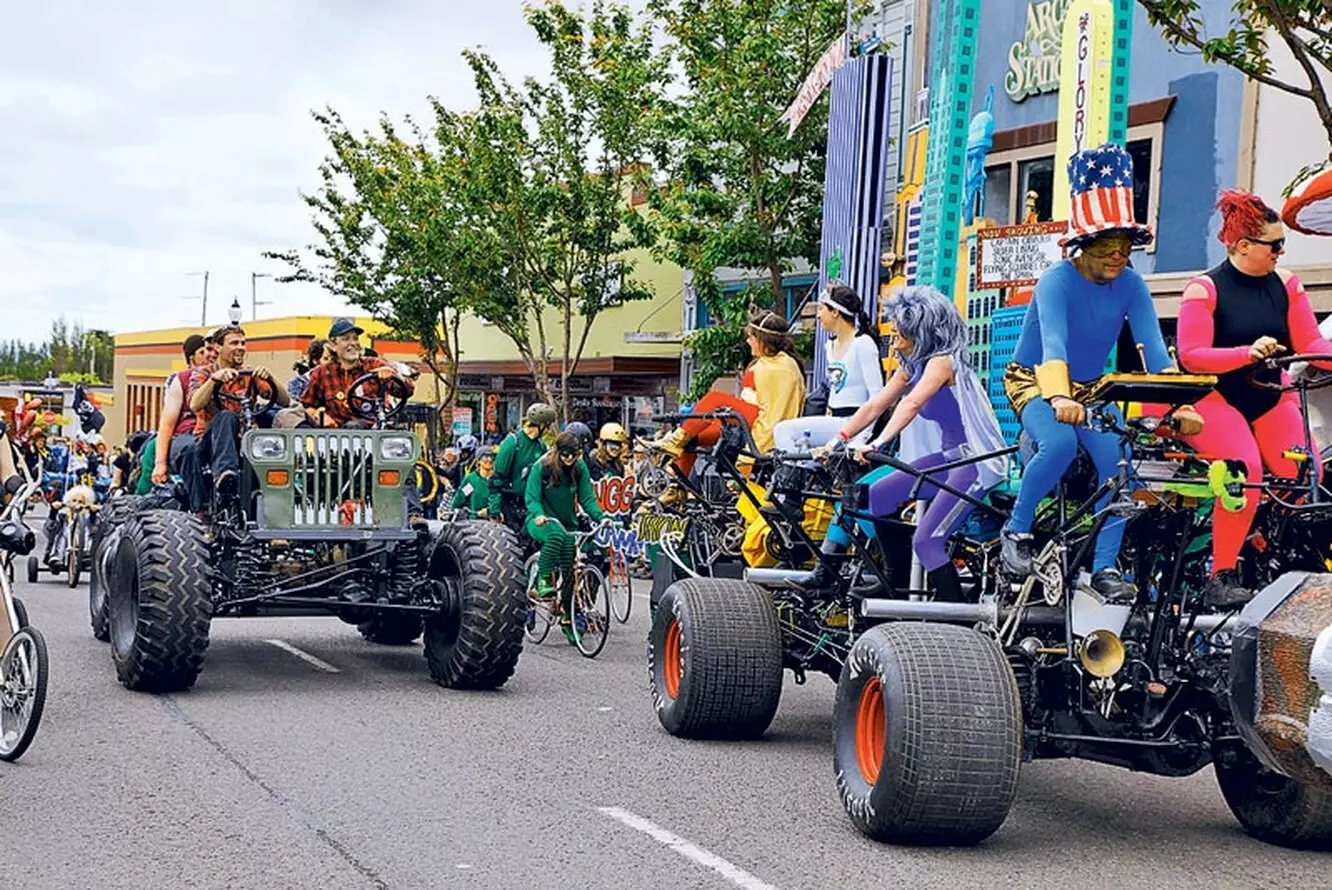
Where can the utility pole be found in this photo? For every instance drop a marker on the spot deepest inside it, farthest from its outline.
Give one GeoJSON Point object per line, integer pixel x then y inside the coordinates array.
{"type": "Point", "coordinates": [255, 303]}
{"type": "Point", "coordinates": [203, 310]}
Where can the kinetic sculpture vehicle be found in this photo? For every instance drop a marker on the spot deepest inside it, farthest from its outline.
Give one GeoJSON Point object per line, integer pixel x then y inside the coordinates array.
{"type": "Point", "coordinates": [320, 525]}
{"type": "Point", "coordinates": [938, 703]}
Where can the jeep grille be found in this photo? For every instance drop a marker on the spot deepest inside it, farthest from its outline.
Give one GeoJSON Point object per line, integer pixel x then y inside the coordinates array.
{"type": "Point", "coordinates": [333, 481]}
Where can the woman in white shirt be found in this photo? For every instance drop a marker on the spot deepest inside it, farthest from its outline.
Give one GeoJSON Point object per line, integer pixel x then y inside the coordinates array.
{"type": "Point", "coordinates": [854, 372]}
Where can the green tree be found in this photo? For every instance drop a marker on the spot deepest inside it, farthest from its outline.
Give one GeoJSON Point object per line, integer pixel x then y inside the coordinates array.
{"type": "Point", "coordinates": [1305, 26]}
{"type": "Point", "coordinates": [739, 192]}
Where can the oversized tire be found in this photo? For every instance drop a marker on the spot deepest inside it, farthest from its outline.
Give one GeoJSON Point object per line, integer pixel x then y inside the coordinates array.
{"type": "Point", "coordinates": [160, 603]}
{"type": "Point", "coordinates": [1275, 808]}
{"type": "Point", "coordinates": [474, 643]}
{"type": "Point", "coordinates": [392, 628]}
{"type": "Point", "coordinates": [715, 659]}
{"type": "Point", "coordinates": [110, 521]}
{"type": "Point", "coordinates": [927, 735]}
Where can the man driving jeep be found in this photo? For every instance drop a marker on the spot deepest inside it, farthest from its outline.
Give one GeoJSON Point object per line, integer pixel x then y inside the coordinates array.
{"type": "Point", "coordinates": [217, 428]}
{"type": "Point", "coordinates": [327, 397]}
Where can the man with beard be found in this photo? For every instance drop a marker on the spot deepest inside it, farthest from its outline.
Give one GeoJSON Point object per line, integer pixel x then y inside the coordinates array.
{"type": "Point", "coordinates": [216, 429]}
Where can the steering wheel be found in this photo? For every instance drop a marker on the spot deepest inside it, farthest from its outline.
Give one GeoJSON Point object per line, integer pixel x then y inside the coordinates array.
{"type": "Point", "coordinates": [387, 404]}
{"type": "Point", "coordinates": [260, 392]}
{"type": "Point", "coordinates": [1286, 361]}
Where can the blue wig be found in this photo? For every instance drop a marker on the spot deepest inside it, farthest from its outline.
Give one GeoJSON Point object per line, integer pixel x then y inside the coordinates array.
{"type": "Point", "coordinates": [930, 321]}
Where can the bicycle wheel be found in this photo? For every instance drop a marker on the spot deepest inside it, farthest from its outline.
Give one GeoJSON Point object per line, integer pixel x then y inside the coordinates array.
{"type": "Point", "coordinates": [537, 623]}
{"type": "Point", "coordinates": [617, 579]}
{"type": "Point", "coordinates": [74, 555]}
{"type": "Point", "coordinates": [591, 611]}
{"type": "Point", "coordinates": [23, 667]}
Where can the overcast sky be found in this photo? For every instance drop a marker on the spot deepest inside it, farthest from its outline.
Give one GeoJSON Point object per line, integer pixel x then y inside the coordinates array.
{"type": "Point", "coordinates": [140, 141]}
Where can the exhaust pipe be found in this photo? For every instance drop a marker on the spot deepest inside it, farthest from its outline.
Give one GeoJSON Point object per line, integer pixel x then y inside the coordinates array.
{"type": "Point", "coordinates": [909, 610]}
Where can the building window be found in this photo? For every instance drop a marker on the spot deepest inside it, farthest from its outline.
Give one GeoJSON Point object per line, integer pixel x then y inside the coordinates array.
{"type": "Point", "coordinates": [1011, 174]}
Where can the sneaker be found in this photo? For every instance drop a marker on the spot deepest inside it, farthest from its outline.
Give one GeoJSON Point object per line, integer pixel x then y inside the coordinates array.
{"type": "Point", "coordinates": [1112, 587]}
{"type": "Point", "coordinates": [226, 483]}
{"type": "Point", "coordinates": [567, 627]}
{"type": "Point", "coordinates": [1015, 552]}
{"type": "Point", "coordinates": [544, 590]}
{"type": "Point", "coordinates": [1224, 590]}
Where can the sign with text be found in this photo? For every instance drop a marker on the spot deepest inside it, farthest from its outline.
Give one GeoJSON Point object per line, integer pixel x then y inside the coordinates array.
{"type": "Point", "coordinates": [1084, 90]}
{"type": "Point", "coordinates": [1033, 61]}
{"type": "Point", "coordinates": [462, 422]}
{"type": "Point", "coordinates": [1015, 256]}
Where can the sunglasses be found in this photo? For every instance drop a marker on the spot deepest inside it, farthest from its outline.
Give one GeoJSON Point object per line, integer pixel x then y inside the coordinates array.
{"type": "Point", "coordinates": [568, 452]}
{"type": "Point", "coordinates": [1276, 245]}
{"type": "Point", "coordinates": [1106, 249]}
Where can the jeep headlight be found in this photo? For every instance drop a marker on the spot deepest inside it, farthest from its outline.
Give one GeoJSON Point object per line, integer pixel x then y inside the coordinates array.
{"type": "Point", "coordinates": [395, 448]}
{"type": "Point", "coordinates": [268, 447]}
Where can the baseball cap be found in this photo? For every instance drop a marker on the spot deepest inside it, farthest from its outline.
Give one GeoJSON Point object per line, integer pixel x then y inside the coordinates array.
{"type": "Point", "coordinates": [344, 326]}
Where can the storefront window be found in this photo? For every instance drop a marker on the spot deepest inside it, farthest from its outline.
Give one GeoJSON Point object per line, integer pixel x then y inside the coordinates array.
{"type": "Point", "coordinates": [998, 188]}
{"type": "Point", "coordinates": [1036, 176]}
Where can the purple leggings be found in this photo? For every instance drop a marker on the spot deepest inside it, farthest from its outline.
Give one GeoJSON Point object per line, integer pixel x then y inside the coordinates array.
{"type": "Point", "coordinates": [946, 511]}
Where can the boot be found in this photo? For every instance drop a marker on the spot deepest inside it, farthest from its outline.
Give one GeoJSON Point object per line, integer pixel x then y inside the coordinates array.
{"type": "Point", "coordinates": [1015, 552]}
{"type": "Point", "coordinates": [947, 585]}
{"type": "Point", "coordinates": [1224, 590]}
{"type": "Point", "coordinates": [672, 443]}
{"type": "Point", "coordinates": [1110, 584]}
{"type": "Point", "coordinates": [825, 573]}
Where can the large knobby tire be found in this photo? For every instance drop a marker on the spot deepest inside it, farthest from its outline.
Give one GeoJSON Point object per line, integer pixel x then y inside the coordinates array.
{"type": "Point", "coordinates": [1275, 808]}
{"type": "Point", "coordinates": [392, 628]}
{"type": "Point", "coordinates": [927, 735]}
{"type": "Point", "coordinates": [110, 522]}
{"type": "Point", "coordinates": [715, 659]}
{"type": "Point", "coordinates": [160, 602]}
{"type": "Point", "coordinates": [475, 643]}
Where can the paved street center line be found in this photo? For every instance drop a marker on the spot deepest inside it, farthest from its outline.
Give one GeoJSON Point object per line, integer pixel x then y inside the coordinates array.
{"type": "Point", "coordinates": [733, 873]}
{"type": "Point", "coordinates": [319, 663]}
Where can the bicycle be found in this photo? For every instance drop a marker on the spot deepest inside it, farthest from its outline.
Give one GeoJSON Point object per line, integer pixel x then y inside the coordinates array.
{"type": "Point", "coordinates": [591, 603]}
{"type": "Point", "coordinates": [78, 549]}
{"type": "Point", "coordinates": [24, 662]}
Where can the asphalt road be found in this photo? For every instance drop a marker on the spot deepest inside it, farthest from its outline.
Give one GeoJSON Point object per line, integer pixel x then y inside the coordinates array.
{"type": "Point", "coordinates": [275, 771]}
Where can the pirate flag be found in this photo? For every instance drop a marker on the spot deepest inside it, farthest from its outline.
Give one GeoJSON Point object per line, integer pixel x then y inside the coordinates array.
{"type": "Point", "coordinates": [91, 419]}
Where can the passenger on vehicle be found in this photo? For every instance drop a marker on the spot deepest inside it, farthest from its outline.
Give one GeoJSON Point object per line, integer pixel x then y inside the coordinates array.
{"type": "Point", "coordinates": [319, 352]}
{"type": "Point", "coordinates": [217, 428]}
{"type": "Point", "coordinates": [514, 459]}
{"type": "Point", "coordinates": [175, 429]}
{"type": "Point", "coordinates": [772, 389]}
{"type": "Point", "coordinates": [1239, 313]}
{"type": "Point", "coordinates": [934, 381]}
{"type": "Point", "coordinates": [556, 487]}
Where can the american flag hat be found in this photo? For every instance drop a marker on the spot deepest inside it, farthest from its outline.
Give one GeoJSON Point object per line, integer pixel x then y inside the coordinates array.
{"type": "Point", "coordinates": [1101, 182]}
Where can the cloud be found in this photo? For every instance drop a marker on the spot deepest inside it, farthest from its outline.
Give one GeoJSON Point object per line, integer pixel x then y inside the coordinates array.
{"type": "Point", "coordinates": [146, 140]}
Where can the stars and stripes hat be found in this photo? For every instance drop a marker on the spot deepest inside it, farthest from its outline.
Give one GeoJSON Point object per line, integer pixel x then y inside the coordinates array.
{"type": "Point", "coordinates": [1101, 182]}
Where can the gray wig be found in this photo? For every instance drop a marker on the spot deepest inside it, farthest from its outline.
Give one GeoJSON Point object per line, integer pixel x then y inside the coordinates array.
{"type": "Point", "coordinates": [930, 321]}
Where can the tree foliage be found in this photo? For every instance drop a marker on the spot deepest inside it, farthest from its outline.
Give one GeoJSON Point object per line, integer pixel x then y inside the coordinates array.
{"type": "Point", "coordinates": [738, 191]}
{"type": "Point", "coordinates": [1305, 26]}
{"type": "Point", "coordinates": [69, 350]}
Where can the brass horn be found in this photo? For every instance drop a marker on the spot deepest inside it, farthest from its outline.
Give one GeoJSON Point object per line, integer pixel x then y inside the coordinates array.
{"type": "Point", "coordinates": [1101, 653]}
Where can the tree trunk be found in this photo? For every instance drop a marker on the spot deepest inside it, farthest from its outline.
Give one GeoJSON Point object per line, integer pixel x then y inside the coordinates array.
{"type": "Point", "coordinates": [564, 359]}
{"type": "Point", "coordinates": [775, 274]}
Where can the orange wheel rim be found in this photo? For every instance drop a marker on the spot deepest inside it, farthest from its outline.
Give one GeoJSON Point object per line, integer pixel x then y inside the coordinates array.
{"type": "Point", "coordinates": [870, 731]}
{"type": "Point", "coordinates": [672, 665]}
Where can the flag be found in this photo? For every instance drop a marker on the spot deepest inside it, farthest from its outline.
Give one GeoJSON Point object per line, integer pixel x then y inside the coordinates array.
{"type": "Point", "coordinates": [817, 81]}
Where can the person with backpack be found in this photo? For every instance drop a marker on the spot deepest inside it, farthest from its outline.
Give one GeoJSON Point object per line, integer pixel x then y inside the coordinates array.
{"type": "Point", "coordinates": [519, 451]}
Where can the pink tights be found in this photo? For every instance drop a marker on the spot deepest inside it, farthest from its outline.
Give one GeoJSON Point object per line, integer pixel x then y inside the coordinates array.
{"type": "Point", "coordinates": [1226, 434]}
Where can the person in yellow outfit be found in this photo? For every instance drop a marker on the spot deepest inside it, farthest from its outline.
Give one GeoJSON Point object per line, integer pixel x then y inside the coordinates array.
{"type": "Point", "coordinates": [772, 389]}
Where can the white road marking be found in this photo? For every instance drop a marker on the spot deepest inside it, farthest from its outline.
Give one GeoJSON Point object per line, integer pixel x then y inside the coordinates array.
{"type": "Point", "coordinates": [604, 708]}
{"type": "Point", "coordinates": [733, 873]}
{"type": "Point", "coordinates": [304, 656]}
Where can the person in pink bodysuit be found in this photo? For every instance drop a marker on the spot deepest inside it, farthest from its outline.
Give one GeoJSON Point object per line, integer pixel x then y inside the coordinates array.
{"type": "Point", "coordinates": [1243, 311]}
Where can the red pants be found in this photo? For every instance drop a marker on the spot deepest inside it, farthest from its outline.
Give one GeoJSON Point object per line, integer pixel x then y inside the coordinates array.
{"type": "Point", "coordinates": [1226, 434]}
{"type": "Point", "coordinates": [706, 432]}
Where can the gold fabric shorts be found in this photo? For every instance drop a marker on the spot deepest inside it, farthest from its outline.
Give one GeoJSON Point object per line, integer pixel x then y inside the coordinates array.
{"type": "Point", "coordinates": [1021, 387]}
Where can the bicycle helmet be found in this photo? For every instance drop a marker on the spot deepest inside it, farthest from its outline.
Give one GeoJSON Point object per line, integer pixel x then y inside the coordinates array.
{"type": "Point", "coordinates": [468, 444]}
{"type": "Point", "coordinates": [613, 432]}
{"type": "Point", "coordinates": [581, 430]}
{"type": "Point", "coordinates": [485, 452]}
{"type": "Point", "coordinates": [539, 414]}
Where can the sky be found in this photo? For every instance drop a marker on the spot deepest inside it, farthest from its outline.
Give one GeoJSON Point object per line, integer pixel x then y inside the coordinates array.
{"type": "Point", "coordinates": [142, 141]}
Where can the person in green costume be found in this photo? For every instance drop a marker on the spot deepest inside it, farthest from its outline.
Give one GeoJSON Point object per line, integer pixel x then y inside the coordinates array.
{"type": "Point", "coordinates": [517, 453]}
{"type": "Point", "coordinates": [556, 486]}
{"type": "Point", "coordinates": [147, 460]}
{"type": "Point", "coordinates": [473, 492]}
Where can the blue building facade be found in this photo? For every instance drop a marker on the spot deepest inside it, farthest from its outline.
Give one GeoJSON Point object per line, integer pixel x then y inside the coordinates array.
{"type": "Point", "coordinates": [1185, 127]}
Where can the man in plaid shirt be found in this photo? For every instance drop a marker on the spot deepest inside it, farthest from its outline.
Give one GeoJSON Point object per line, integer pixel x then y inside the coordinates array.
{"type": "Point", "coordinates": [327, 397]}
{"type": "Point", "coordinates": [216, 429]}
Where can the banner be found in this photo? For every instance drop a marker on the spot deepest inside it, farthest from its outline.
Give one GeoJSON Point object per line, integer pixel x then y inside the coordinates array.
{"type": "Point", "coordinates": [1085, 69]}
{"type": "Point", "coordinates": [817, 81]}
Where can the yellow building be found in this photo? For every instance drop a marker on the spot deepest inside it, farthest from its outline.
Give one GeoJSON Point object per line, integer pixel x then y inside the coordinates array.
{"type": "Point", "coordinates": [144, 360]}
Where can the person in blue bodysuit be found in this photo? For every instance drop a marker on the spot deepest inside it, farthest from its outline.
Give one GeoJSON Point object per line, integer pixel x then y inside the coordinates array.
{"type": "Point", "coordinates": [1078, 308]}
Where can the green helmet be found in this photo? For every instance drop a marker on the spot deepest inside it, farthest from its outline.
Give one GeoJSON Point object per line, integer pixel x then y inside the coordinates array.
{"type": "Point", "coordinates": [539, 414]}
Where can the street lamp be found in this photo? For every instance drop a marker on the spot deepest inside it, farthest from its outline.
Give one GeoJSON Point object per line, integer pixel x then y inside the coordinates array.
{"type": "Point", "coordinates": [255, 303]}
{"type": "Point", "coordinates": [234, 312]}
{"type": "Point", "coordinates": [203, 311]}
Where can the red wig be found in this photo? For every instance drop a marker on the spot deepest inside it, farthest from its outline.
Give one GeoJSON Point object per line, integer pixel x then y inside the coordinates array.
{"type": "Point", "coordinates": [1243, 215]}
